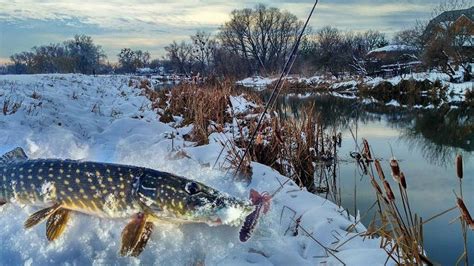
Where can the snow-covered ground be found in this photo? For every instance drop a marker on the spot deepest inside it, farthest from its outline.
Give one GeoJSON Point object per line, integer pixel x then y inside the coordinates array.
{"type": "Point", "coordinates": [455, 91]}
{"type": "Point", "coordinates": [257, 82]}
{"type": "Point", "coordinates": [393, 47]}
{"type": "Point", "coordinates": [103, 119]}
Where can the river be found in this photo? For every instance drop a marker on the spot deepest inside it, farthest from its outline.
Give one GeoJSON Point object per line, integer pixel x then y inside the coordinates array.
{"type": "Point", "coordinates": [425, 142]}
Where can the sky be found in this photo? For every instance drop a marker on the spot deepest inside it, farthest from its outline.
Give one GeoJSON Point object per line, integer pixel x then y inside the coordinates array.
{"type": "Point", "coordinates": [151, 25]}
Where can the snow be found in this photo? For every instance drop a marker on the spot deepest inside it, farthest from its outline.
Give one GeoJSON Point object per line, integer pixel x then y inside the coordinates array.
{"type": "Point", "coordinates": [230, 215]}
{"type": "Point", "coordinates": [455, 91]}
{"type": "Point", "coordinates": [314, 80]}
{"type": "Point", "coordinates": [393, 48]}
{"type": "Point", "coordinates": [343, 95]}
{"type": "Point", "coordinates": [431, 76]}
{"type": "Point", "coordinates": [257, 82]}
{"type": "Point", "coordinates": [370, 100]}
{"type": "Point", "coordinates": [103, 119]}
{"type": "Point", "coordinates": [393, 103]}
{"type": "Point", "coordinates": [260, 83]}
{"type": "Point", "coordinates": [144, 70]}
{"type": "Point", "coordinates": [240, 104]}
{"type": "Point", "coordinates": [301, 95]}
{"type": "Point", "coordinates": [351, 84]}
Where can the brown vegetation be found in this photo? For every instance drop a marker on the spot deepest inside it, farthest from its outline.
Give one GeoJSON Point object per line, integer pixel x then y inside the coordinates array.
{"type": "Point", "coordinates": [295, 148]}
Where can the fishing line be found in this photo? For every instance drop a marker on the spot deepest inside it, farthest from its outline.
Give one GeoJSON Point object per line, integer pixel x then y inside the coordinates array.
{"type": "Point", "coordinates": [277, 87]}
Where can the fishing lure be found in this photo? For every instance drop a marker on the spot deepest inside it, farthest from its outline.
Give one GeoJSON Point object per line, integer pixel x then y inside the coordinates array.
{"type": "Point", "coordinates": [262, 204]}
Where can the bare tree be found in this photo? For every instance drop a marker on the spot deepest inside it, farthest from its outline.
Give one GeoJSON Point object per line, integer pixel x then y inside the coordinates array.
{"type": "Point", "coordinates": [374, 39]}
{"type": "Point", "coordinates": [131, 60]}
{"type": "Point", "coordinates": [77, 55]}
{"type": "Point", "coordinates": [412, 36]}
{"type": "Point", "coordinates": [86, 55]}
{"type": "Point", "coordinates": [203, 49]}
{"type": "Point", "coordinates": [22, 63]}
{"type": "Point", "coordinates": [229, 64]}
{"type": "Point", "coordinates": [180, 56]}
{"type": "Point", "coordinates": [262, 36]}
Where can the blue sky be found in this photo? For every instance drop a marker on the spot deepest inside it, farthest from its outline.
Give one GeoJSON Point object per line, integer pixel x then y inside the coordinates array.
{"type": "Point", "coordinates": [151, 25]}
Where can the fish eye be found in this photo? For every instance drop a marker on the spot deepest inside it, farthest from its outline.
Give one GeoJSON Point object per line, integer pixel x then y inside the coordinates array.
{"type": "Point", "coordinates": [191, 188]}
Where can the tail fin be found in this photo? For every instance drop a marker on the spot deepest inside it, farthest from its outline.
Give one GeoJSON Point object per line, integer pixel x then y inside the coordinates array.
{"type": "Point", "coordinates": [15, 154]}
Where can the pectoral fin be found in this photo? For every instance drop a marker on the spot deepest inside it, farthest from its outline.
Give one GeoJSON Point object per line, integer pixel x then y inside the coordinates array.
{"type": "Point", "coordinates": [135, 236]}
{"type": "Point", "coordinates": [40, 216]}
{"type": "Point", "coordinates": [141, 244]}
{"type": "Point", "coordinates": [56, 223]}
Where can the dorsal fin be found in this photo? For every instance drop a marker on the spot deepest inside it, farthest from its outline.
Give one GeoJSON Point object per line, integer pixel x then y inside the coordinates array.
{"type": "Point", "coordinates": [15, 154]}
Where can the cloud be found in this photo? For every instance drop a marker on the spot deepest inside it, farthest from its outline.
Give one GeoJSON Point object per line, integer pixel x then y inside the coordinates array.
{"type": "Point", "coordinates": [149, 24]}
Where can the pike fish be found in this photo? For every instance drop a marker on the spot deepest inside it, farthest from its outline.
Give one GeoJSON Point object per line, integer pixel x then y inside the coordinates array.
{"type": "Point", "coordinates": [143, 195]}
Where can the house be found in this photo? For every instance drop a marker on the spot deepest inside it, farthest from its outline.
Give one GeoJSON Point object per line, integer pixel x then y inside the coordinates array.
{"type": "Point", "coordinates": [449, 41]}
{"type": "Point", "coordinates": [391, 60]}
{"type": "Point", "coordinates": [456, 23]}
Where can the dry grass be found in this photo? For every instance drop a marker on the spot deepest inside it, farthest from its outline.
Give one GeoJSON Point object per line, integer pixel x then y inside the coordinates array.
{"type": "Point", "coordinates": [10, 107]}
{"type": "Point", "coordinates": [465, 217]}
{"type": "Point", "coordinates": [200, 106]}
{"type": "Point", "coordinates": [295, 148]}
{"type": "Point", "coordinates": [401, 230]}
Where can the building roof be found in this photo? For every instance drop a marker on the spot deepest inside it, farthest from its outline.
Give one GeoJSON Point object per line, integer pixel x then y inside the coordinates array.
{"type": "Point", "coordinates": [449, 16]}
{"type": "Point", "coordinates": [393, 48]}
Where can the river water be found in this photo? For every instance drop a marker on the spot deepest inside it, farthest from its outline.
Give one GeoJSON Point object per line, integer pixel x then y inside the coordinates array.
{"type": "Point", "coordinates": [425, 143]}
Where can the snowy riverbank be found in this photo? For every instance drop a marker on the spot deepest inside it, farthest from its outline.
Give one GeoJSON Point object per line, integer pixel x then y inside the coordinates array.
{"type": "Point", "coordinates": [451, 93]}
{"type": "Point", "coordinates": [103, 119]}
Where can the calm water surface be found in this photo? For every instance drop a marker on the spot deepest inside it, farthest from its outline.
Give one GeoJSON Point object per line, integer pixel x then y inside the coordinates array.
{"type": "Point", "coordinates": [425, 143]}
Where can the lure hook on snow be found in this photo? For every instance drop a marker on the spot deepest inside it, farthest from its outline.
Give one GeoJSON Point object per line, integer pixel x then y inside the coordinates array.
{"type": "Point", "coordinates": [262, 204]}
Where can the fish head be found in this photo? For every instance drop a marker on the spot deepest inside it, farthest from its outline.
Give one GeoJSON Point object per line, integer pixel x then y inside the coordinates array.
{"type": "Point", "coordinates": [173, 197]}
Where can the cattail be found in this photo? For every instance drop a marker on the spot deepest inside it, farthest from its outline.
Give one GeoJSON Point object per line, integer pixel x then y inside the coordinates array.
{"type": "Point", "coordinates": [403, 181]}
{"type": "Point", "coordinates": [465, 213]}
{"type": "Point", "coordinates": [459, 171]}
{"type": "Point", "coordinates": [259, 139]}
{"type": "Point", "coordinates": [376, 186]}
{"type": "Point", "coordinates": [379, 170]}
{"type": "Point", "coordinates": [278, 135]}
{"type": "Point", "coordinates": [389, 191]}
{"type": "Point", "coordinates": [366, 150]}
{"type": "Point", "coordinates": [395, 169]}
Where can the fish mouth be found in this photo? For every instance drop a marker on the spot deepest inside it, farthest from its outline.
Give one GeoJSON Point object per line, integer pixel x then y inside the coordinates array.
{"type": "Point", "coordinates": [221, 209]}
{"type": "Point", "coordinates": [233, 214]}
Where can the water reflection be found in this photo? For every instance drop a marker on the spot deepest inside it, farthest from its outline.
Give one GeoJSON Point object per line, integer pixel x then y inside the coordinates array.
{"type": "Point", "coordinates": [425, 142]}
{"type": "Point", "coordinates": [438, 134]}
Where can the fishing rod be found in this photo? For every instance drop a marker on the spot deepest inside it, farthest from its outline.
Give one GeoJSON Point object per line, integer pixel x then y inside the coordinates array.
{"type": "Point", "coordinates": [276, 89]}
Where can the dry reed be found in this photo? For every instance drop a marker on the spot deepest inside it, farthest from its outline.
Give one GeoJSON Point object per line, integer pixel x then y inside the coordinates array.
{"type": "Point", "coordinates": [401, 230]}
{"type": "Point", "coordinates": [459, 168]}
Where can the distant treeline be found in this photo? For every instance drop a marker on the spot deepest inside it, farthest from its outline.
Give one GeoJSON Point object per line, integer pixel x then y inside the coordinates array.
{"type": "Point", "coordinates": [79, 55]}
{"type": "Point", "coordinates": [253, 41]}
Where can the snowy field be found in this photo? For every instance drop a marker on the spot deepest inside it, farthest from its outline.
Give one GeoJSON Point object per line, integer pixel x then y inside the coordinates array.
{"type": "Point", "coordinates": [103, 119]}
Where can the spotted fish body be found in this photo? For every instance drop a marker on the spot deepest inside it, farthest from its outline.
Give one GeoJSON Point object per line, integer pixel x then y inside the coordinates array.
{"type": "Point", "coordinates": [110, 191]}
{"type": "Point", "coordinates": [94, 188]}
